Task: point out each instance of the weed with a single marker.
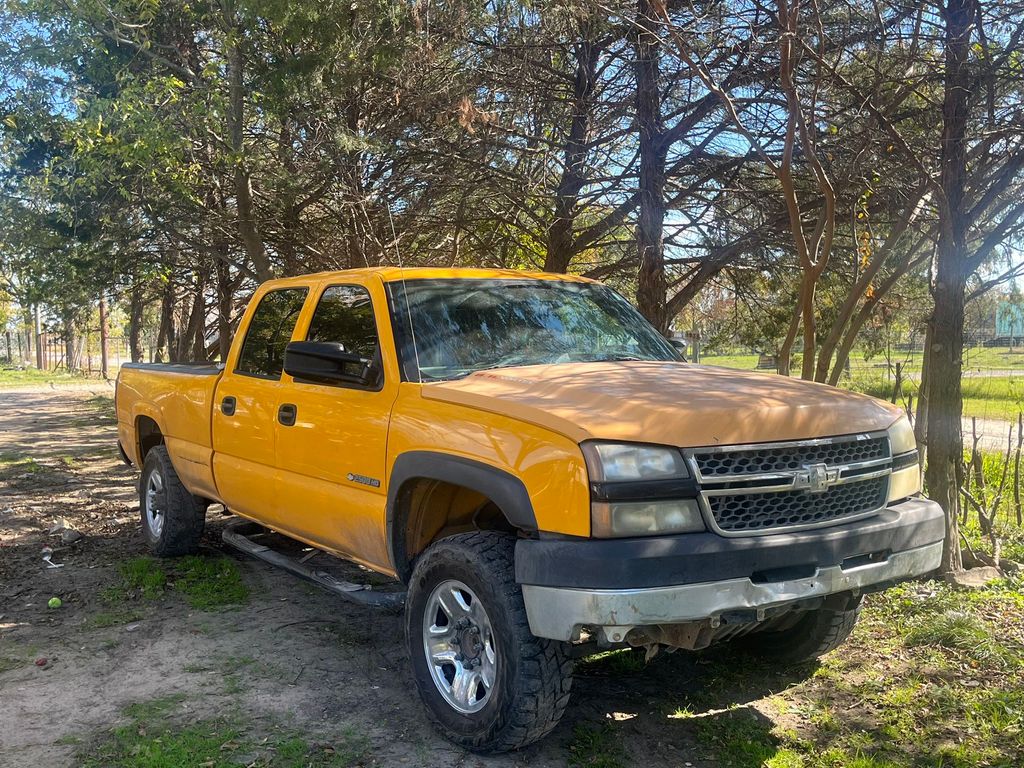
(595, 747)
(206, 583)
(959, 631)
(211, 582)
(621, 661)
(143, 576)
(154, 709)
(152, 739)
(114, 618)
(741, 737)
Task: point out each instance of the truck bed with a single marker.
(195, 369)
(179, 398)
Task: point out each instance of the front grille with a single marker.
(755, 512)
(751, 461)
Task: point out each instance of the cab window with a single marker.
(345, 316)
(269, 332)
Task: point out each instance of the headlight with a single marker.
(612, 519)
(905, 480)
(901, 437)
(624, 462)
(640, 490)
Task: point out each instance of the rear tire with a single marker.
(472, 650)
(816, 633)
(172, 518)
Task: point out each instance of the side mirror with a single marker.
(681, 347)
(325, 362)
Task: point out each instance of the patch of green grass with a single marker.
(987, 397)
(7, 664)
(206, 583)
(114, 618)
(620, 661)
(211, 582)
(741, 737)
(741, 362)
(14, 464)
(962, 632)
(10, 377)
(154, 709)
(155, 738)
(144, 576)
(596, 747)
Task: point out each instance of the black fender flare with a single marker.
(503, 488)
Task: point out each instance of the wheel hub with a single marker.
(154, 503)
(459, 646)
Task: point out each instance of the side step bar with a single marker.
(240, 535)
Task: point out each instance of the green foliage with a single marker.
(595, 747)
(210, 582)
(206, 582)
(961, 632)
(159, 735)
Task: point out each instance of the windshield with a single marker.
(463, 326)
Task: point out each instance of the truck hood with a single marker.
(666, 402)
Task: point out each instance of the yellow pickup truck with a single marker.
(541, 469)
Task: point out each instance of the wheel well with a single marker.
(427, 510)
(148, 433)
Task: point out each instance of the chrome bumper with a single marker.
(559, 612)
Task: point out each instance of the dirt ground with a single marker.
(292, 656)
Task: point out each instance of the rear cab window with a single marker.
(269, 332)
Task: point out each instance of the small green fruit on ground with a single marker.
(55, 602)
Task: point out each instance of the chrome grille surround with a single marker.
(767, 488)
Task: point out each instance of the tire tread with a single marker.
(184, 516)
(545, 666)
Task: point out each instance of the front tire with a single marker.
(172, 518)
(816, 633)
(487, 682)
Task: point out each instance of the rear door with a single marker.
(245, 406)
(332, 459)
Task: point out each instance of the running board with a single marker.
(240, 534)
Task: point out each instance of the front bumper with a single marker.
(623, 584)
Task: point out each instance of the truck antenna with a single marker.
(405, 295)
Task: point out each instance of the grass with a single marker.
(621, 661)
(162, 733)
(960, 631)
(932, 677)
(986, 397)
(206, 583)
(211, 582)
(997, 397)
(596, 747)
(11, 377)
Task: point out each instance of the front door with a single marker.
(332, 459)
(245, 408)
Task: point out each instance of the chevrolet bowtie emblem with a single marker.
(815, 478)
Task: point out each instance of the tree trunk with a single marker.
(165, 338)
(945, 407)
(651, 283)
(560, 234)
(104, 337)
(247, 228)
(135, 308)
(40, 344)
(70, 358)
(224, 300)
(785, 358)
